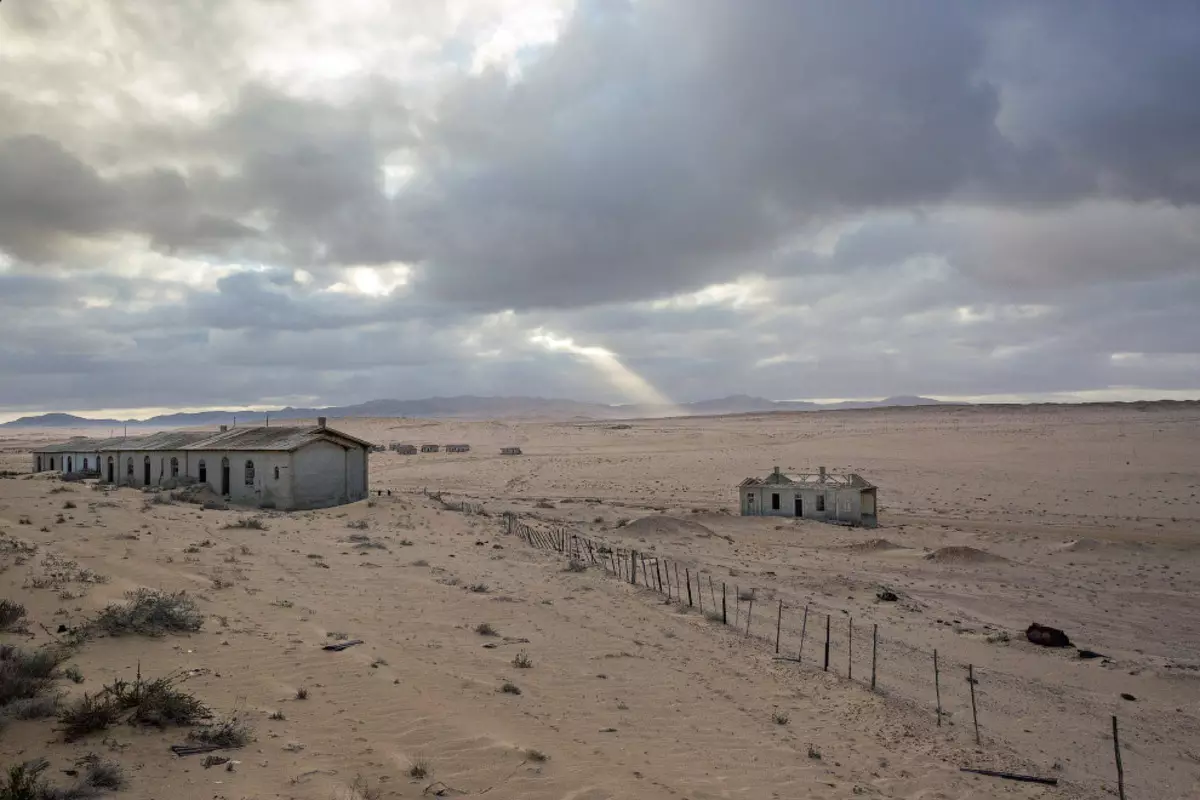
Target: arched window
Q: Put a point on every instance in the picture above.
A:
(203, 472)
(174, 467)
(129, 467)
(85, 465)
(249, 473)
(277, 473)
(69, 465)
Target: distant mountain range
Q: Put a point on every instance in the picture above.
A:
(469, 407)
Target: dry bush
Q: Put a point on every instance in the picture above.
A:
(419, 768)
(69, 505)
(302, 693)
(150, 612)
(157, 702)
(575, 565)
(780, 717)
(486, 629)
(479, 588)
(230, 731)
(12, 616)
(88, 714)
(536, 755)
(358, 525)
(510, 688)
(522, 660)
(25, 782)
(27, 675)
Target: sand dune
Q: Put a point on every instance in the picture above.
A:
(963, 555)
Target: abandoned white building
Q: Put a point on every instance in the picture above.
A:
(430, 448)
(405, 449)
(510, 451)
(821, 495)
(458, 448)
(274, 467)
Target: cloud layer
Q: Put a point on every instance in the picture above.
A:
(257, 202)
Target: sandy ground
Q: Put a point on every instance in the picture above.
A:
(1087, 519)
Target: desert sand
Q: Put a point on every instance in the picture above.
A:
(1083, 518)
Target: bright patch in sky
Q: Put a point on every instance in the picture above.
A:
(619, 376)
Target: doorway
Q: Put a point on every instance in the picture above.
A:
(203, 472)
(146, 472)
(110, 469)
(799, 506)
(224, 476)
(70, 463)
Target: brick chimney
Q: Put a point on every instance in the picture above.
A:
(224, 428)
(822, 470)
(320, 422)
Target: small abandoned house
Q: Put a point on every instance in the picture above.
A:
(405, 449)
(510, 451)
(430, 448)
(822, 495)
(275, 467)
(458, 448)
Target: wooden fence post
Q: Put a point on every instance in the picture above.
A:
(974, 713)
(827, 643)
(699, 594)
(937, 687)
(874, 651)
(749, 611)
(712, 593)
(1120, 767)
(724, 612)
(850, 651)
(803, 630)
(633, 567)
(778, 626)
(687, 576)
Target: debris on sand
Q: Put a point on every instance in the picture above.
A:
(875, 545)
(963, 555)
(1046, 636)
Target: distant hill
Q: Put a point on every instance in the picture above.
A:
(468, 407)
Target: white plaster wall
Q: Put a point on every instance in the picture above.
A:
(320, 475)
(840, 504)
(356, 473)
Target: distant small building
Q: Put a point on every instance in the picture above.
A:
(510, 451)
(430, 448)
(377, 448)
(405, 449)
(458, 448)
(821, 495)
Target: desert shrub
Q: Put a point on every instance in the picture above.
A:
(479, 588)
(230, 731)
(419, 768)
(69, 505)
(11, 615)
(73, 674)
(25, 675)
(150, 612)
(510, 688)
(158, 702)
(536, 755)
(522, 660)
(575, 565)
(746, 595)
(25, 781)
(249, 523)
(89, 714)
(621, 523)
(39, 707)
(100, 773)
(302, 693)
(544, 504)
(486, 629)
(358, 525)
(780, 717)
(814, 752)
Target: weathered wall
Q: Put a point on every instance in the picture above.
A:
(843, 504)
(319, 475)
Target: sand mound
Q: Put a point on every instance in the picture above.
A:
(1090, 545)
(963, 555)
(874, 545)
(667, 526)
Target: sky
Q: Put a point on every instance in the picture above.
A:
(224, 203)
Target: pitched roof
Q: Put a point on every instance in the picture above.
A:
(272, 438)
(84, 444)
(815, 480)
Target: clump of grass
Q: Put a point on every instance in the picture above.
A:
(746, 595)
(486, 629)
(26, 675)
(780, 717)
(419, 768)
(34, 707)
(714, 616)
(278, 716)
(544, 504)
(621, 523)
(510, 688)
(358, 524)
(250, 523)
(12, 615)
(228, 732)
(522, 660)
(479, 588)
(158, 702)
(420, 562)
(150, 612)
(302, 693)
(101, 773)
(575, 565)
(405, 543)
(814, 752)
(536, 755)
(73, 674)
(25, 782)
(69, 504)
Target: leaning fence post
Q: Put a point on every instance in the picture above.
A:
(737, 606)
(687, 576)
(974, 713)
(699, 594)
(827, 643)
(937, 687)
(803, 630)
(678, 594)
(874, 651)
(724, 611)
(712, 593)
(1117, 752)
(778, 626)
(633, 567)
